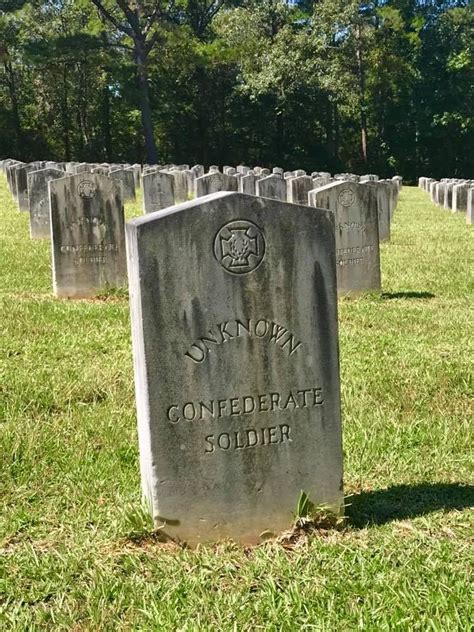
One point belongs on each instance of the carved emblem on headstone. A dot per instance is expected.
(239, 246)
(346, 197)
(86, 189)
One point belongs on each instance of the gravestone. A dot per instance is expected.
(81, 167)
(38, 201)
(158, 191)
(298, 189)
(368, 177)
(198, 171)
(273, 187)
(88, 235)
(448, 196)
(11, 178)
(190, 179)
(127, 178)
(399, 182)
(247, 184)
(432, 189)
(137, 172)
(470, 206)
(320, 181)
(384, 194)
(21, 187)
(180, 185)
(215, 182)
(234, 327)
(439, 193)
(459, 198)
(357, 234)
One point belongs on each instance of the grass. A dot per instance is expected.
(77, 551)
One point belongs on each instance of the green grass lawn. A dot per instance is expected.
(78, 553)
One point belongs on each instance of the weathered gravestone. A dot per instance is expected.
(158, 191)
(459, 197)
(432, 189)
(440, 191)
(88, 234)
(234, 321)
(398, 181)
(247, 184)
(21, 177)
(198, 171)
(357, 234)
(273, 187)
(383, 192)
(180, 185)
(215, 182)
(11, 178)
(298, 189)
(470, 206)
(127, 178)
(38, 201)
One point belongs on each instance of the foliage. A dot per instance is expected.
(383, 87)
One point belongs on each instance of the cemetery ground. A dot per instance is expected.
(77, 551)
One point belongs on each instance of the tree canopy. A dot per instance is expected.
(382, 86)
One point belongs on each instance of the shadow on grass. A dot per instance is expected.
(391, 295)
(406, 501)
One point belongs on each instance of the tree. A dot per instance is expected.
(138, 21)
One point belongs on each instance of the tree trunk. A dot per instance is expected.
(65, 118)
(337, 140)
(106, 126)
(144, 96)
(363, 115)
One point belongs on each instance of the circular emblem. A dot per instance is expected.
(86, 189)
(346, 197)
(239, 246)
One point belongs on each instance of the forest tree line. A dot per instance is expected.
(333, 85)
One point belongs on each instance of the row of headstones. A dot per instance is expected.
(235, 337)
(18, 179)
(166, 186)
(83, 212)
(451, 194)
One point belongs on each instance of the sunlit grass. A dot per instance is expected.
(76, 549)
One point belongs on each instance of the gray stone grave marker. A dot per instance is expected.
(215, 182)
(38, 201)
(158, 191)
(357, 234)
(273, 187)
(247, 184)
(21, 178)
(88, 235)
(180, 185)
(470, 206)
(459, 198)
(384, 202)
(298, 189)
(234, 326)
(127, 178)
